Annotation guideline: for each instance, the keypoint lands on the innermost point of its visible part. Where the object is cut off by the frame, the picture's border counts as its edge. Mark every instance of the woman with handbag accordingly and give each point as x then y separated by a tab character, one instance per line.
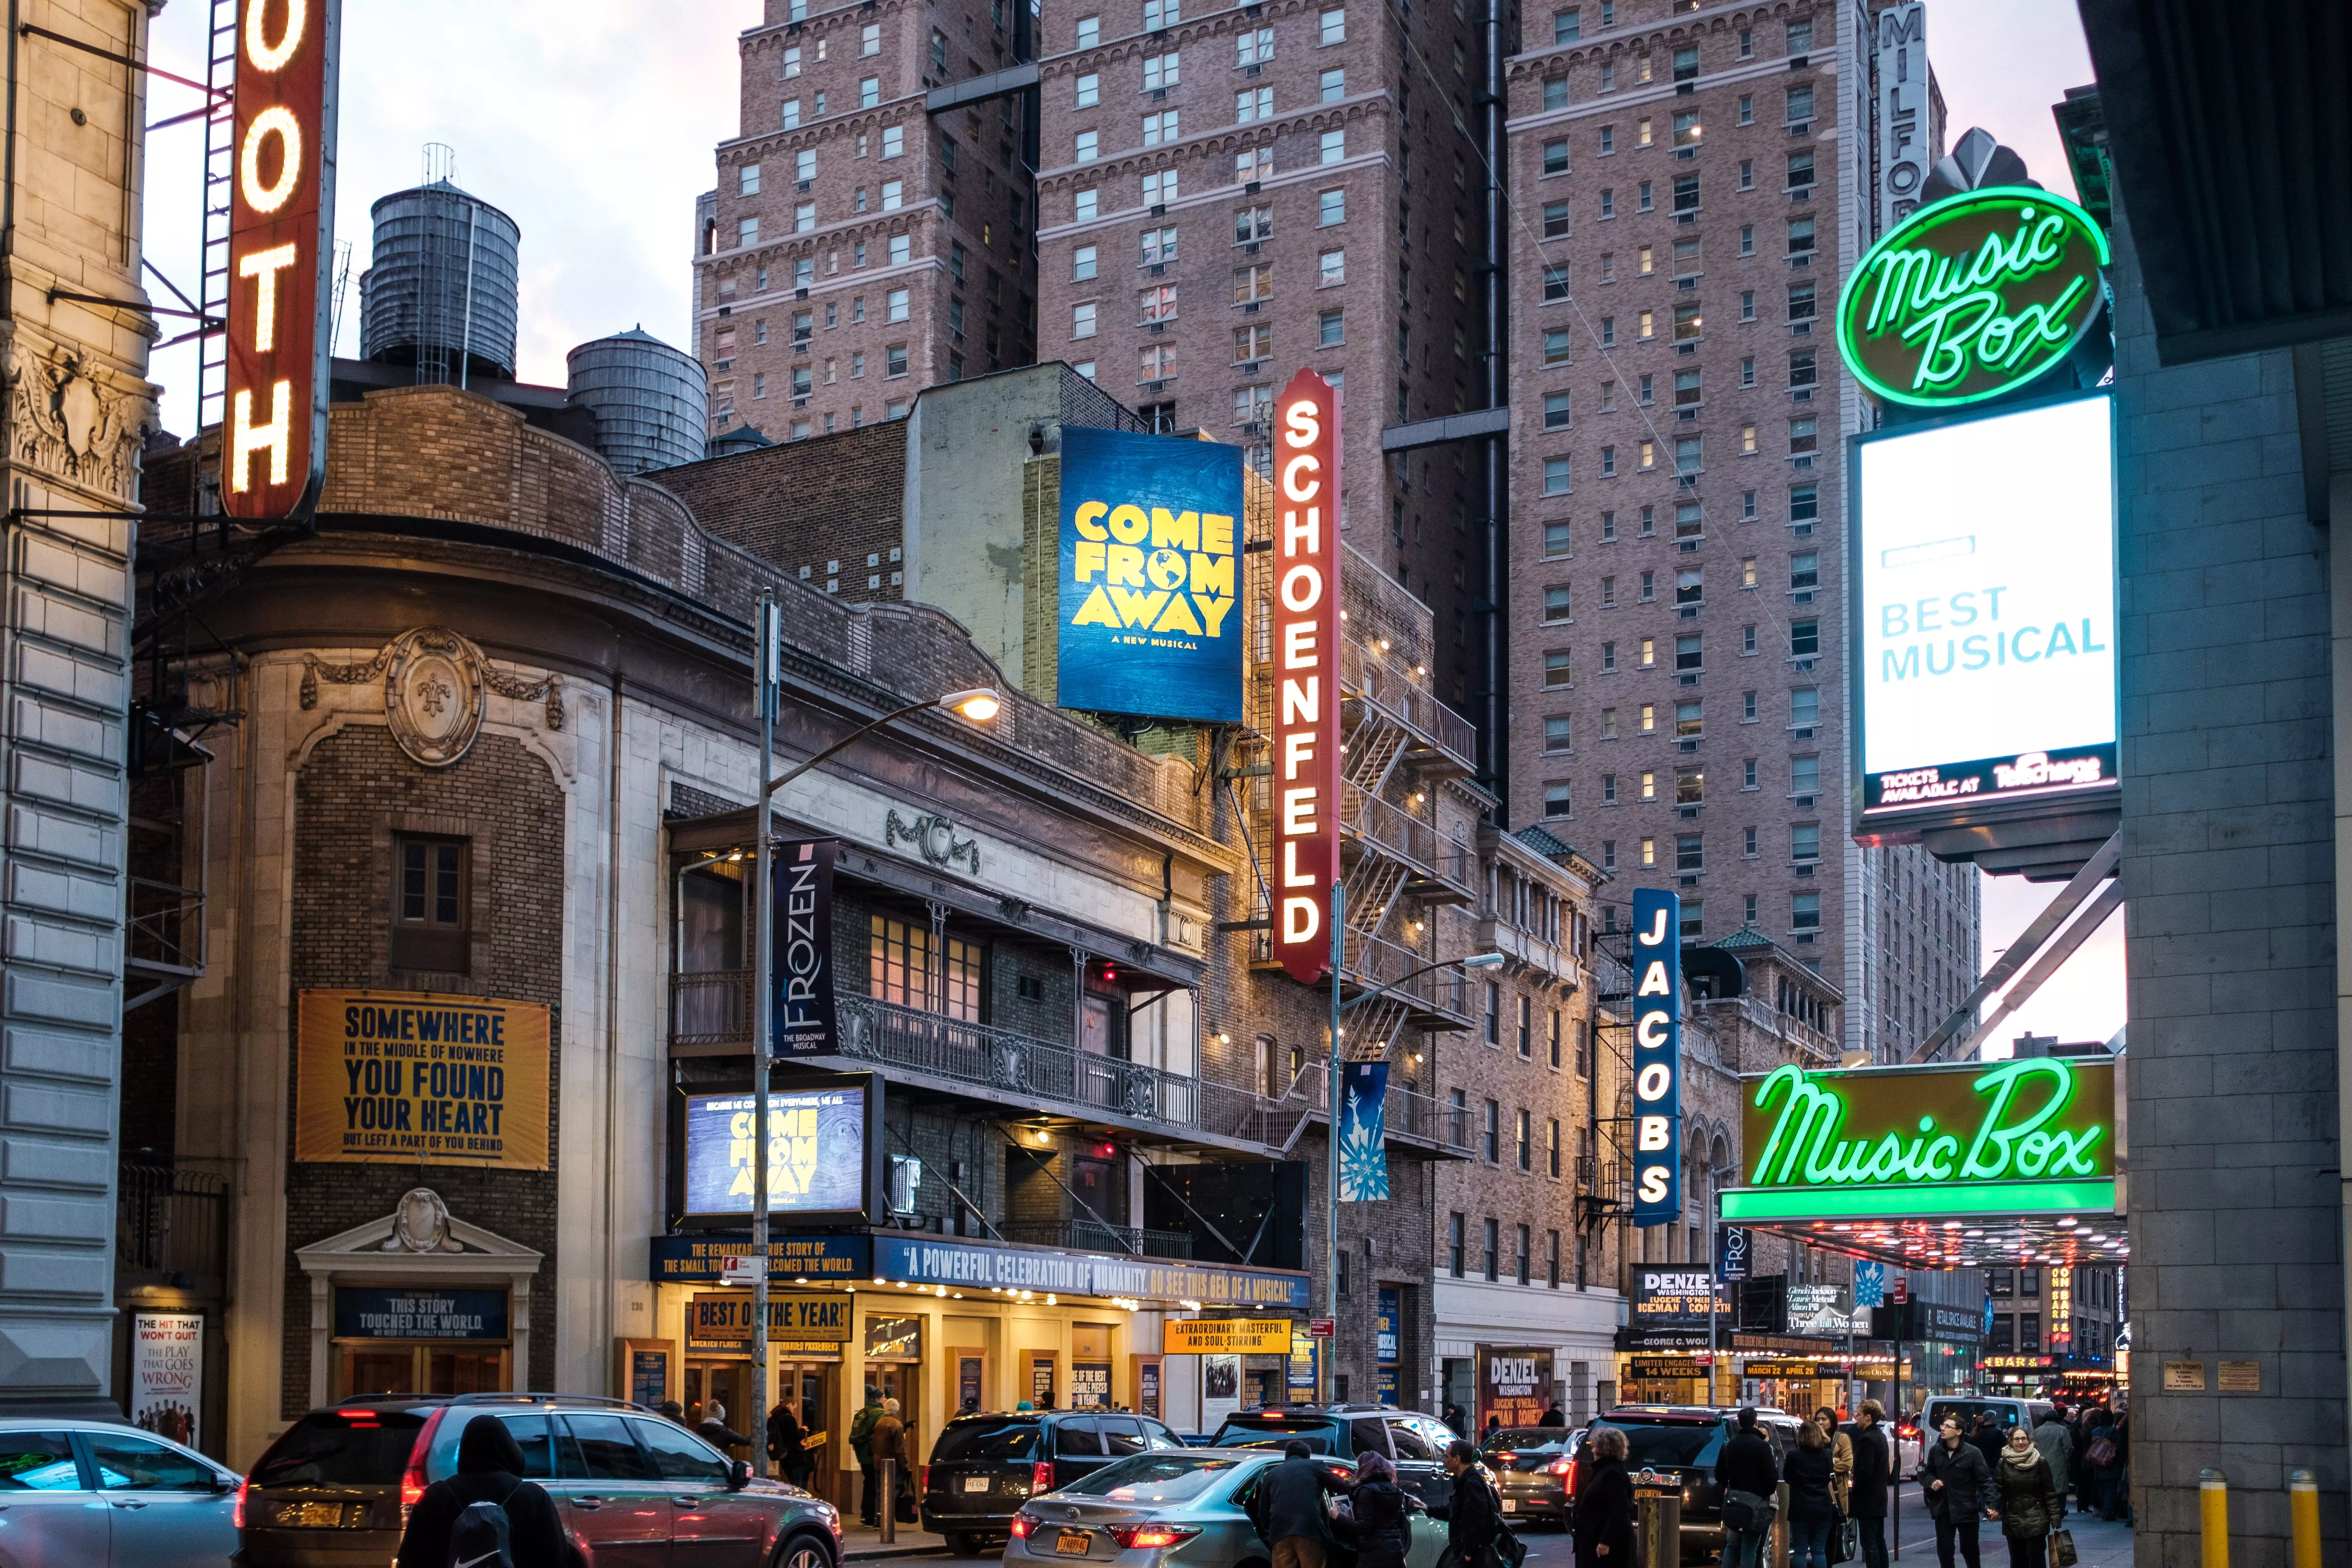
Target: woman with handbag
1604	1503
1813	1512
1841	1457
2031	1503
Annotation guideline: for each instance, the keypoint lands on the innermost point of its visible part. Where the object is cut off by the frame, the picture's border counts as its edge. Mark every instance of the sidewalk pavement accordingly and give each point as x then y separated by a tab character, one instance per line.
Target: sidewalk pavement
2097	1543
863	1542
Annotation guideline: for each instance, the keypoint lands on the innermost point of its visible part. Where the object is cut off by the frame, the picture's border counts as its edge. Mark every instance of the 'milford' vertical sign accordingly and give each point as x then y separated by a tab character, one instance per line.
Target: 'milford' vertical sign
1658	1057
280	255
1306	656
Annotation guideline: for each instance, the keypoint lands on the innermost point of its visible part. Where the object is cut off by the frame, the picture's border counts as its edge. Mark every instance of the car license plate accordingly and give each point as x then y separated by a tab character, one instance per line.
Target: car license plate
1073	1543
310	1514
1510	1505
975	1483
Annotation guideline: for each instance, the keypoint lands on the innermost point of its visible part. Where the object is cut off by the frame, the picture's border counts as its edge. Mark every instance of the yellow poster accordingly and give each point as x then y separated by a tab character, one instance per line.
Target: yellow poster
394	1078
1225	1336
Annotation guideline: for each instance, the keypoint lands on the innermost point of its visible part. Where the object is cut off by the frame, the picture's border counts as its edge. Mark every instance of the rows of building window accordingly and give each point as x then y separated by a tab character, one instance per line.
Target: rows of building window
1556	604
1511	1019
1575	24
1523	1265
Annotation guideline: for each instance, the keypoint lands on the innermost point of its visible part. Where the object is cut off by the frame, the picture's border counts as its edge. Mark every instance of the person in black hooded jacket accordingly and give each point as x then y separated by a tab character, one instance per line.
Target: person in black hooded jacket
490	1469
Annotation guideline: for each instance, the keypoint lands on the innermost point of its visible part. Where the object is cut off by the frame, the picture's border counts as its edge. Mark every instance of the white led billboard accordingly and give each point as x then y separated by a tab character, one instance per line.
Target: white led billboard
1985	625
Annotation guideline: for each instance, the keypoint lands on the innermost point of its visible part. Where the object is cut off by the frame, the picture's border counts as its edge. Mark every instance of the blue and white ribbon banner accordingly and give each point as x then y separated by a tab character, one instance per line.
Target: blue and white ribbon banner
1363	1133
1658	1057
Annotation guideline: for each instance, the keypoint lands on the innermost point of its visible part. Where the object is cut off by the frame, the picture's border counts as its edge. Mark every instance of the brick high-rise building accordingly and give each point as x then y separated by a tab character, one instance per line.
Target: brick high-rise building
1228	194
858	247
1690	186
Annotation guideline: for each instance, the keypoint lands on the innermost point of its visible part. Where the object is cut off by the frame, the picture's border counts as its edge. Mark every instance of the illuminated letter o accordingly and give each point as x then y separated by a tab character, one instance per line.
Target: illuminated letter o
280	122
266	56
1653	1081
1310	598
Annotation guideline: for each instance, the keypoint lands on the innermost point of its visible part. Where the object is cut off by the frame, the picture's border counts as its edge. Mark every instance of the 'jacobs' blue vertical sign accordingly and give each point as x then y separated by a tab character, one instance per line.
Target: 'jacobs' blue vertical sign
1150	558
1658	1057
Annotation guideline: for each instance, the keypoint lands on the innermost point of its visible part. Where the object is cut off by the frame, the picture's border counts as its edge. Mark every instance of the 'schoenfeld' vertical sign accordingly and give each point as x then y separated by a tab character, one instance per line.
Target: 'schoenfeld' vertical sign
1306	656
281	253
1658	1057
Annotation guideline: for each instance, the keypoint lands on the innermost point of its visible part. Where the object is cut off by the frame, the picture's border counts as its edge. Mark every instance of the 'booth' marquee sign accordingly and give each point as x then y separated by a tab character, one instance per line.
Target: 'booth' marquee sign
1975	296
280	256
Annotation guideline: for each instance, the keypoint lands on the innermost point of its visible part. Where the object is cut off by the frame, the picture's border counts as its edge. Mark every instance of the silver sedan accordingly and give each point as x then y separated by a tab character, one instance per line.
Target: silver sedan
1186	1510
88	1493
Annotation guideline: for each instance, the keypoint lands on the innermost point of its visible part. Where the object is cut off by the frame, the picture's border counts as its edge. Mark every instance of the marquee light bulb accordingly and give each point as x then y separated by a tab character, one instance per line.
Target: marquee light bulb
278	120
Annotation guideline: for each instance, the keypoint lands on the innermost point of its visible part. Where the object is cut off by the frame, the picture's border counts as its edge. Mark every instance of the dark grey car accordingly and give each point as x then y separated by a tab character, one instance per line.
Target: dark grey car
983	1467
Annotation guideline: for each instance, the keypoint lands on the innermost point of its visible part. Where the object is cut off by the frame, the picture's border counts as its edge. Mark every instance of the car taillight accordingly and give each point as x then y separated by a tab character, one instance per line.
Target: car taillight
1130	1536
238	1519
1571	1475
1561	1467
922	1478
1021	1525
1041	1476
412	1481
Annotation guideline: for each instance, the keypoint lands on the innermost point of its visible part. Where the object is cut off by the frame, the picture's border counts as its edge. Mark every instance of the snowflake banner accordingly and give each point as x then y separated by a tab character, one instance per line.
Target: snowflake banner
1363	1133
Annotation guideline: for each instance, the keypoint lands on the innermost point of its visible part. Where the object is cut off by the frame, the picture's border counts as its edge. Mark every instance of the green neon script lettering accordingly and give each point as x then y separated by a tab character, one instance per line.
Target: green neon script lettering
2012	1140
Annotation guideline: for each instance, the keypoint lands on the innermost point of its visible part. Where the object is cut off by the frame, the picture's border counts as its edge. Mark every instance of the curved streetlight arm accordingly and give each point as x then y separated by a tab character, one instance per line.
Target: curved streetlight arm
1470	962
788	774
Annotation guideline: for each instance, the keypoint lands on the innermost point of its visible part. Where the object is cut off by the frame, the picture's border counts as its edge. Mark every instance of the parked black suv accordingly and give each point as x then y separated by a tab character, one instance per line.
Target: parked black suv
336	1487
983	1467
1686	1441
1415	1442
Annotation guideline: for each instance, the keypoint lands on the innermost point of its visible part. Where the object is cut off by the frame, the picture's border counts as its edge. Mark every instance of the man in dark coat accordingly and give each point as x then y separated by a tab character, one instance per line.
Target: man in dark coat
1289	1508
1874	1470
490	1469
1473	1510
1747	1465
1959	1487
1553	1416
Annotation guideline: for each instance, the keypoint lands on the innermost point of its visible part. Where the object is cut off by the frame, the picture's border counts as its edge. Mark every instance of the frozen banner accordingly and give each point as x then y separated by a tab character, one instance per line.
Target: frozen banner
802	1015
1363	1133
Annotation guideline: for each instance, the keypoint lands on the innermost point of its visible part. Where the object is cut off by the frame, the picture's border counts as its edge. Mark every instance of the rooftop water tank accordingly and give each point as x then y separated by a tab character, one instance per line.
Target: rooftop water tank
648	397
441	291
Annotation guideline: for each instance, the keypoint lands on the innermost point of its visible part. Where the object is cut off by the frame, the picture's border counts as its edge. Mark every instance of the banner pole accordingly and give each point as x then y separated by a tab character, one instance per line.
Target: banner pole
763	935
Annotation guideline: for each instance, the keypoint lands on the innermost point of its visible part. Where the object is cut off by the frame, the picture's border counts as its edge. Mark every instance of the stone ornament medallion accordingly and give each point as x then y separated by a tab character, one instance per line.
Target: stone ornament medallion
433	695
435	682
420	1224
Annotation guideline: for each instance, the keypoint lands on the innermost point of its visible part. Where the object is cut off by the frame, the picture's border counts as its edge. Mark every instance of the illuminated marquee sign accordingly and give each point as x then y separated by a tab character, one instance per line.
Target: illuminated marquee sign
820	1153
1149	555
280	254
1658	1057
1305	655
2029	1136
1977	295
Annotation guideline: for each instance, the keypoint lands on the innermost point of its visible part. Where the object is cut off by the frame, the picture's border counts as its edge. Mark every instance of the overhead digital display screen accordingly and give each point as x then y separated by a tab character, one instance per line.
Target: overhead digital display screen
816	1153
1985	618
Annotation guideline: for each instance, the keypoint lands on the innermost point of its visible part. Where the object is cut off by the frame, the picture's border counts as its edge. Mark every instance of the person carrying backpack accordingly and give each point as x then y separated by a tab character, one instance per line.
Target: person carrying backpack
486	1515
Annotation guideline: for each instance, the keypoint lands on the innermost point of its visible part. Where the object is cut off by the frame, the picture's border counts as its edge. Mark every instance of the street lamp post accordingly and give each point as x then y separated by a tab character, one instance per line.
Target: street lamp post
1330	1353
977	705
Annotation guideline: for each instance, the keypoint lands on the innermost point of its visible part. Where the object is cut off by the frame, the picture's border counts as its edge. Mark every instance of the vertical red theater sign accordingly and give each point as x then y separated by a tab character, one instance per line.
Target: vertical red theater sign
1306	656
280	255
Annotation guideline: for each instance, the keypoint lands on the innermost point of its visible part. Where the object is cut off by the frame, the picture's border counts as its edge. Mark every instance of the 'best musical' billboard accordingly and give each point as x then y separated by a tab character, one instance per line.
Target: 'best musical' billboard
1150	560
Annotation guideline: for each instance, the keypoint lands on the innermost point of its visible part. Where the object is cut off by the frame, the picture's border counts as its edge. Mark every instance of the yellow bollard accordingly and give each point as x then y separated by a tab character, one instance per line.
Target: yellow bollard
2302	1514
2213	1511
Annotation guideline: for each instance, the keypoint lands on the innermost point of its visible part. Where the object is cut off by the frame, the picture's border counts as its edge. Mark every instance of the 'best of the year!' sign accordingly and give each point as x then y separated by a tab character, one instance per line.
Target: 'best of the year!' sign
395	1078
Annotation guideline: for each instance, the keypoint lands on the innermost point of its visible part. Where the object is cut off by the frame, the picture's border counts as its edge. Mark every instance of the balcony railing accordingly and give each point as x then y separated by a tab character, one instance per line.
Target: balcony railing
711	1008
1373	962
1370	676
1399	832
1090	1235
994	1060
171	1221
1498	934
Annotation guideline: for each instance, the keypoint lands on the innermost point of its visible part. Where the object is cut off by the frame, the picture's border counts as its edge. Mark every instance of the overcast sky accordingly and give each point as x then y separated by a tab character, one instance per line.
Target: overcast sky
591	122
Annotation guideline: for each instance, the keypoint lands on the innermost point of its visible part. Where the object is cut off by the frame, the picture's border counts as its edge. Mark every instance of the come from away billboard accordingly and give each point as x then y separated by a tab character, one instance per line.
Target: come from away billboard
1151	556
